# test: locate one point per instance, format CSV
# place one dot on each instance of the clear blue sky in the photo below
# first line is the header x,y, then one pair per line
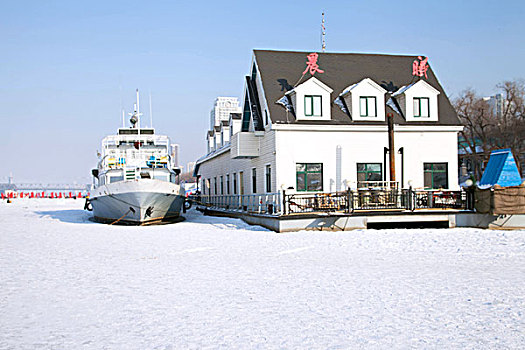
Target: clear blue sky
x,y
65,67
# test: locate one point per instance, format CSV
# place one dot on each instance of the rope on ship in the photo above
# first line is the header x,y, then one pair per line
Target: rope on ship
x,y
122,217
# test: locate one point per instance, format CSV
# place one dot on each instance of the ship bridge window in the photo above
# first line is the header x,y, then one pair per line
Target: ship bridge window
x,y
161,177
146,131
145,175
113,179
128,132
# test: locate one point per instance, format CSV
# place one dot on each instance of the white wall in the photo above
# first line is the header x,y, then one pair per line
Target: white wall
x,y
282,149
223,164
363,147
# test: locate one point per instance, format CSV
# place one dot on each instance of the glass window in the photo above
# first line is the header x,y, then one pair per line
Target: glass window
x,y
309,176
113,179
254,180
369,172
313,106
215,185
435,175
234,183
222,185
268,178
421,107
368,106
246,115
228,183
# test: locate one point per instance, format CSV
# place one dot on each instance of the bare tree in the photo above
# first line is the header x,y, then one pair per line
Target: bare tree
x,y
509,129
475,115
487,127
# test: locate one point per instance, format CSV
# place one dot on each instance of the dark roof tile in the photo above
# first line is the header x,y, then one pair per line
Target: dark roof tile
x,y
281,70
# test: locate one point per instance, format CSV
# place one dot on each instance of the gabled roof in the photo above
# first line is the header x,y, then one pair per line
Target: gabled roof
x,y
312,80
364,81
404,89
280,70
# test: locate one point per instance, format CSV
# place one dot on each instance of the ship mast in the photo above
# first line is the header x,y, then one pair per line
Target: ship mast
x,y
135,116
138,109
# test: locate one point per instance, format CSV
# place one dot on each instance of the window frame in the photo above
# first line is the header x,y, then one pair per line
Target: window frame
x,y
419,99
268,178
306,172
254,180
367,171
367,98
432,172
312,104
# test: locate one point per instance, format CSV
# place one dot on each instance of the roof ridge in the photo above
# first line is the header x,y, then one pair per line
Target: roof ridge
x,y
339,53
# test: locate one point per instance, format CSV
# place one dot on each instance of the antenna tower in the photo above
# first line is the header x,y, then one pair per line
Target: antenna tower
x,y
323,34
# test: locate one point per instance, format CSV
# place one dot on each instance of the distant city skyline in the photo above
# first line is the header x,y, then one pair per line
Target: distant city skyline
x,y
67,69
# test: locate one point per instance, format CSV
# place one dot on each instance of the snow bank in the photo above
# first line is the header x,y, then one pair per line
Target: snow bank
x,y
67,282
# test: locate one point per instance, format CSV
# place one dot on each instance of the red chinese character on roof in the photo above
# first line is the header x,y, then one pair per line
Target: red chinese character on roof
x,y
312,65
420,68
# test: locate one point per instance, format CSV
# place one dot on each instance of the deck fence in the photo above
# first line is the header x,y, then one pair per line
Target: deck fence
x,y
389,199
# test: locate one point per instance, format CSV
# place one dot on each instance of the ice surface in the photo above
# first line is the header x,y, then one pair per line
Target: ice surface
x,y
69,283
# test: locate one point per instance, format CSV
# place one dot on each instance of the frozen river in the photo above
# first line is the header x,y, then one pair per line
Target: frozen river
x,y
69,283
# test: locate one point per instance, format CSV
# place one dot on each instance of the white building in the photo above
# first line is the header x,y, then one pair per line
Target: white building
x,y
190,167
328,132
222,108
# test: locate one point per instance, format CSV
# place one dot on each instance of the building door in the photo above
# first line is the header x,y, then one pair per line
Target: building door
x,y
241,183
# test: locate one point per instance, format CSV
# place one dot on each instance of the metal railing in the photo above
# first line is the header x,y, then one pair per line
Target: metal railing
x,y
344,202
268,203
376,200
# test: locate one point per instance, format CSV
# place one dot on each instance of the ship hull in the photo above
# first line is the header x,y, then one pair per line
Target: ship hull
x,y
137,202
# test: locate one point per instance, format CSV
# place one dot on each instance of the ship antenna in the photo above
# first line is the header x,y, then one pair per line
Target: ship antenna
x,y
323,34
150,111
123,117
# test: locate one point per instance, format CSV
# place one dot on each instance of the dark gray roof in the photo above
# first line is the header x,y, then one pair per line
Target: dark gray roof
x,y
236,115
280,71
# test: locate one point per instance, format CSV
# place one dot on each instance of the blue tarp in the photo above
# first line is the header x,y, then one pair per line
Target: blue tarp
x,y
501,170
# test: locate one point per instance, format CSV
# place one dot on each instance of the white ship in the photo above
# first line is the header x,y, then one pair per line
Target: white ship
x,y
135,180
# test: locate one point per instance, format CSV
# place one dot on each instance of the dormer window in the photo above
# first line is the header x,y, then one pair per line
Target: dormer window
x,y
421,107
313,106
308,101
418,102
368,106
363,101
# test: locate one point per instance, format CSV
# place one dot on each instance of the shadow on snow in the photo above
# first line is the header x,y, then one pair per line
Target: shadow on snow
x,y
74,216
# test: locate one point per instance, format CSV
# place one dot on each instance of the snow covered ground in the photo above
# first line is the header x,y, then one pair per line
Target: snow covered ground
x,y
69,283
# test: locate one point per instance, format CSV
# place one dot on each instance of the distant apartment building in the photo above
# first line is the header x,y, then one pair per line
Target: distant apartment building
x,y
190,167
496,104
175,148
221,110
